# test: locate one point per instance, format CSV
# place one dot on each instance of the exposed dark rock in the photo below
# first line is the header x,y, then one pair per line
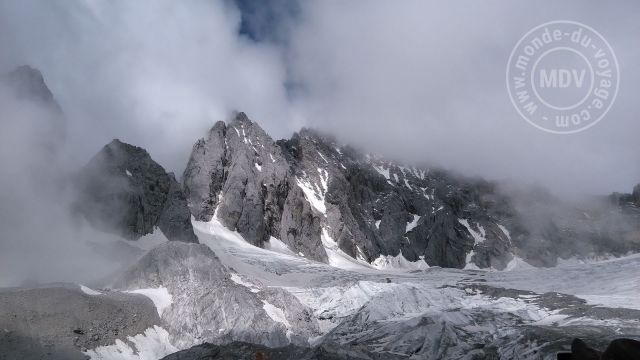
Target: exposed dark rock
x,y
618,349
123,191
314,194
240,171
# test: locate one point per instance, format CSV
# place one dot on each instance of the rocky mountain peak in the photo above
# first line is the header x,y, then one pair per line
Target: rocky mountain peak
x,y
242,177
123,191
240,117
27,82
330,202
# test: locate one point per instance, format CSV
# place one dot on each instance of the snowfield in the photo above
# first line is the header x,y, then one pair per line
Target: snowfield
x,y
161,297
152,345
391,306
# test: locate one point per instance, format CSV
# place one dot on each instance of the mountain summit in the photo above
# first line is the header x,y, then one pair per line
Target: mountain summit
x,y
331,203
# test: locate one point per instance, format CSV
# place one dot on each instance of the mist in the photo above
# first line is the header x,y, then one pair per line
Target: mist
x,y
425,82
40,239
417,81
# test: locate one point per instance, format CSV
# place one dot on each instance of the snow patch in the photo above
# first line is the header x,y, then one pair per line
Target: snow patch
x,y
323,158
214,227
244,136
153,344
478,237
258,166
275,313
337,257
518,263
89,291
129,174
411,225
398,262
382,171
378,224
505,231
315,197
622,301
277,246
406,183
161,297
469,263
238,280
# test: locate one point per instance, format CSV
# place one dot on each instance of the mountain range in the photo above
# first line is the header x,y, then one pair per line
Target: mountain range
x,y
306,248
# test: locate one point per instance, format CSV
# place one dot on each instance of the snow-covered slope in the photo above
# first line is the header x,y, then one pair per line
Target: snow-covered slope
x,y
526,313
225,290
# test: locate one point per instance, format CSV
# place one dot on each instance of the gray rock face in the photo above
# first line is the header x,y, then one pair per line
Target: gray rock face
x,y
208,305
123,191
310,193
240,174
298,189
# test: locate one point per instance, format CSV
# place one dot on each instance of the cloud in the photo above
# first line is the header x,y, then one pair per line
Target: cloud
x,y
425,81
156,74
422,81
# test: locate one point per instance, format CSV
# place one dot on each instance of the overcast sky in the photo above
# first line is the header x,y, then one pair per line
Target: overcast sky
x,y
420,80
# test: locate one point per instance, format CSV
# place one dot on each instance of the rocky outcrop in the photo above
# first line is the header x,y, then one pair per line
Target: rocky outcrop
x,y
123,191
211,303
617,349
626,200
372,208
239,174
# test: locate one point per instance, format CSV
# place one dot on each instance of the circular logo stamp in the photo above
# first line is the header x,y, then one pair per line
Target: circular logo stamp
x,y
562,77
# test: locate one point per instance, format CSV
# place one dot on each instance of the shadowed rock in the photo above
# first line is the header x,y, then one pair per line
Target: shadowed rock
x,y
123,191
320,197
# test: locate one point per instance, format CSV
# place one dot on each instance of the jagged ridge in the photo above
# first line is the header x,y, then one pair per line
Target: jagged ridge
x,y
324,200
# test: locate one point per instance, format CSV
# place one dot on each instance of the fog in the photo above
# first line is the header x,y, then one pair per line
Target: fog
x,y
422,81
414,80
425,81
40,240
